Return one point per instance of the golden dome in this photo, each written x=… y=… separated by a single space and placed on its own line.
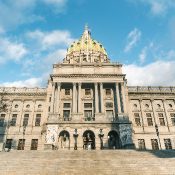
x=86 y=49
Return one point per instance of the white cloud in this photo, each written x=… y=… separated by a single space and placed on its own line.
x=157 y=7
x=53 y=38
x=159 y=73
x=11 y=50
x=132 y=39
x=32 y=82
x=56 y=56
x=17 y=12
x=145 y=51
x=143 y=55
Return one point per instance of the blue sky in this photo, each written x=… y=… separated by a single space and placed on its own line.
x=34 y=34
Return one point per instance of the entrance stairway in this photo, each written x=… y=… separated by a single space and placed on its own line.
x=86 y=162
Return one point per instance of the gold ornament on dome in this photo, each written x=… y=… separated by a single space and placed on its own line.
x=86 y=50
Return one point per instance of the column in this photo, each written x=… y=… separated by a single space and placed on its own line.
x=79 y=98
x=57 y=103
x=74 y=101
x=101 y=98
x=143 y=125
x=118 y=97
x=154 y=116
x=166 y=114
x=123 y=96
x=96 y=99
x=52 y=98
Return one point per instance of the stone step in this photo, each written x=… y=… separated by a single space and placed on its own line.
x=87 y=162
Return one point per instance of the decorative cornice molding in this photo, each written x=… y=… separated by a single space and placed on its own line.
x=87 y=75
x=151 y=89
x=23 y=91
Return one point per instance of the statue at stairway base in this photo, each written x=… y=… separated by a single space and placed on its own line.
x=51 y=137
x=126 y=136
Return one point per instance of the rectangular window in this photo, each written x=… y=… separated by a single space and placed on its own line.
x=108 y=92
x=167 y=143
x=67 y=91
x=14 y=118
x=161 y=119
x=148 y=115
x=87 y=91
x=149 y=119
x=21 y=144
x=8 y=143
x=88 y=115
x=2 y=119
x=137 y=119
x=66 y=105
x=172 y=118
x=141 y=144
x=154 y=144
x=38 y=120
x=26 y=119
x=109 y=105
x=66 y=115
x=34 y=144
x=87 y=105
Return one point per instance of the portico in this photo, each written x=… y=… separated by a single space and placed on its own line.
x=87 y=91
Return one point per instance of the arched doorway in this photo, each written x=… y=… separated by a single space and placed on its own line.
x=88 y=140
x=64 y=139
x=113 y=140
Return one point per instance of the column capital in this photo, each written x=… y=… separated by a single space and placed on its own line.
x=74 y=84
x=53 y=83
x=163 y=100
x=151 y=100
x=58 y=83
x=140 y=99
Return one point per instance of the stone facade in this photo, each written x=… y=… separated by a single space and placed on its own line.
x=88 y=105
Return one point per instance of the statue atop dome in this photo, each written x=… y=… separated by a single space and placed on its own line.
x=86 y=50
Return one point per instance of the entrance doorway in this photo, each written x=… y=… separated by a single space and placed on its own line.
x=88 y=140
x=113 y=140
x=64 y=139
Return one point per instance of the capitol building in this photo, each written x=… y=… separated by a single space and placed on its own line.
x=87 y=104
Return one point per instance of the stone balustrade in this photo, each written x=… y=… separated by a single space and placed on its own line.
x=56 y=118
x=153 y=89
x=22 y=90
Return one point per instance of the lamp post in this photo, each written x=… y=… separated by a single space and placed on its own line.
x=101 y=135
x=157 y=133
x=75 y=137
